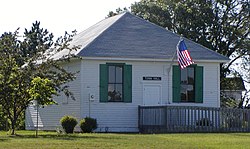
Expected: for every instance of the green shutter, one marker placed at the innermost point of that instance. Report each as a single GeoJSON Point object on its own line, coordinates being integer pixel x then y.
{"type": "Point", "coordinates": [199, 84]}
{"type": "Point", "coordinates": [103, 83]}
{"type": "Point", "coordinates": [127, 91]}
{"type": "Point", "coordinates": [176, 84]}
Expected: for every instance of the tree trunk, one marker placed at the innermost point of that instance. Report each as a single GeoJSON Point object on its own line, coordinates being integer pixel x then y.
{"type": "Point", "coordinates": [12, 131]}
{"type": "Point", "coordinates": [13, 123]}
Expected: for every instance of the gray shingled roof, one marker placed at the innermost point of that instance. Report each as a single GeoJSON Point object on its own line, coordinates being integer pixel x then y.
{"type": "Point", "coordinates": [128, 36]}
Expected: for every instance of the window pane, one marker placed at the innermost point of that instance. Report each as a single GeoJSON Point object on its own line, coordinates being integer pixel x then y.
{"type": "Point", "coordinates": [111, 92]}
{"type": "Point", "coordinates": [190, 95]}
{"type": "Point", "coordinates": [187, 93]}
{"type": "Point", "coordinates": [187, 84]}
{"type": "Point", "coordinates": [111, 74]}
{"type": "Point", "coordinates": [184, 76]}
{"type": "Point", "coordinates": [190, 75]}
{"type": "Point", "coordinates": [183, 93]}
{"type": "Point", "coordinates": [119, 74]}
{"type": "Point", "coordinates": [118, 96]}
{"type": "Point", "coordinates": [115, 92]}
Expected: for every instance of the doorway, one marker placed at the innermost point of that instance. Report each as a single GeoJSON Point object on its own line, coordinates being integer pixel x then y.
{"type": "Point", "coordinates": [151, 94]}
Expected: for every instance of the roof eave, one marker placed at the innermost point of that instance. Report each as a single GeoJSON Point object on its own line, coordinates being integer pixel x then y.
{"type": "Point", "coordinates": [148, 59]}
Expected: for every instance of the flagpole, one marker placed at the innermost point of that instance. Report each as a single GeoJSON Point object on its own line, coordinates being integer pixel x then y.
{"type": "Point", "coordinates": [170, 67]}
{"type": "Point", "coordinates": [183, 57]}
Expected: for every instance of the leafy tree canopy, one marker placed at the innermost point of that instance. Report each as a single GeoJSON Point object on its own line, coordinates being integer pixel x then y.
{"type": "Point", "coordinates": [28, 71]}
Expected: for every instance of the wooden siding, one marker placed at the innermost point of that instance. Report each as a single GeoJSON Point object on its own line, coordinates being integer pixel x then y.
{"type": "Point", "coordinates": [111, 116]}
{"type": "Point", "coordinates": [120, 117]}
{"type": "Point", "coordinates": [49, 116]}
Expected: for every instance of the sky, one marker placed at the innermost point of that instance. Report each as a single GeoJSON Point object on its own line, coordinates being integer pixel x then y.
{"type": "Point", "coordinates": [57, 16]}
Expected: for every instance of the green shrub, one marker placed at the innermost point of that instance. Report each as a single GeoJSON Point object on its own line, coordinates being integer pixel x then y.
{"type": "Point", "coordinates": [68, 123]}
{"type": "Point", "coordinates": [88, 124]}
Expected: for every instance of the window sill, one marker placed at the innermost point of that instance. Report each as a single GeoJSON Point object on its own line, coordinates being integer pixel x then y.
{"type": "Point", "coordinates": [187, 102]}
{"type": "Point", "coordinates": [114, 101]}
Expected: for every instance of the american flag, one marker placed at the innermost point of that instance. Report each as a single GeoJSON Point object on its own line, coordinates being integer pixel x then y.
{"type": "Point", "coordinates": [184, 58]}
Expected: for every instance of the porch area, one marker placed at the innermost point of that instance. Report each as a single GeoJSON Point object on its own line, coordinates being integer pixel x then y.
{"type": "Point", "coordinates": [163, 119]}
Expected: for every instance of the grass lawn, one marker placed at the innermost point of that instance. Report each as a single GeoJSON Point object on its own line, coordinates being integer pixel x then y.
{"type": "Point", "coordinates": [26, 140]}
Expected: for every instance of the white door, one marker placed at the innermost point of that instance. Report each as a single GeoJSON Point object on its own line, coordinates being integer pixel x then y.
{"type": "Point", "coordinates": [151, 95]}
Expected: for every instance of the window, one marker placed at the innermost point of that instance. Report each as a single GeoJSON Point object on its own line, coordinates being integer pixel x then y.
{"type": "Point", "coordinates": [115, 82]}
{"type": "Point", "coordinates": [188, 84]}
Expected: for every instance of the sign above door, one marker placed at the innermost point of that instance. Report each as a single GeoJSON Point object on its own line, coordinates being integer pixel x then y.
{"type": "Point", "coordinates": [152, 78]}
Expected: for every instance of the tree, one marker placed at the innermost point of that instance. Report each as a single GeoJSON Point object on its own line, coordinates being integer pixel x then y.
{"type": "Point", "coordinates": [41, 91]}
{"type": "Point", "coordinates": [10, 85]}
{"type": "Point", "coordinates": [36, 40]}
{"type": "Point", "coordinates": [231, 88]}
{"type": "Point", "coordinates": [22, 62]}
{"type": "Point", "coordinates": [118, 11]}
{"type": "Point", "coordinates": [220, 25]}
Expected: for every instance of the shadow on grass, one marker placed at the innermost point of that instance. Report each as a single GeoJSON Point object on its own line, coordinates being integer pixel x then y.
{"type": "Point", "coordinates": [62, 137]}
{"type": "Point", "coordinates": [244, 134]}
{"type": "Point", "coordinates": [2, 140]}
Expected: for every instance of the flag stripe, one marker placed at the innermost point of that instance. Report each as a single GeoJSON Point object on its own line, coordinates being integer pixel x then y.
{"type": "Point", "coordinates": [184, 58]}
